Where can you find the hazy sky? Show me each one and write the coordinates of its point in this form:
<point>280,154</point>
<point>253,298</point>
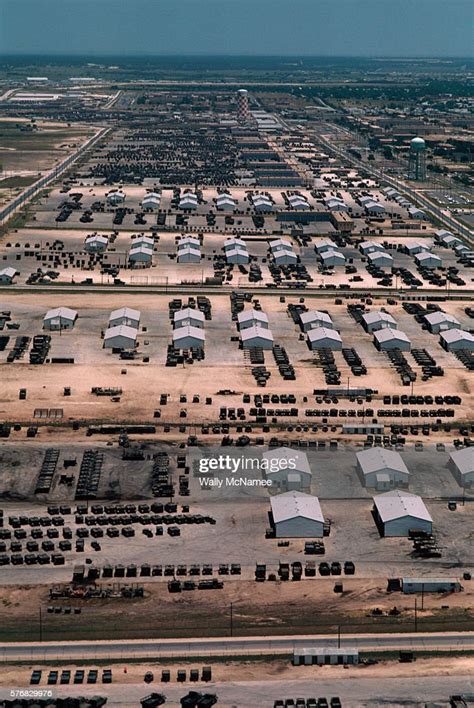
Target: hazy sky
<point>317,27</point>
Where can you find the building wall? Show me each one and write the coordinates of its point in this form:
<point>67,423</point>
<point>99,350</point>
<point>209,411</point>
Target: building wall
<point>299,528</point>
<point>370,480</point>
<point>257,342</point>
<point>119,343</point>
<point>280,479</point>
<point>400,527</point>
<point>395,344</point>
<point>466,480</point>
<point>123,321</point>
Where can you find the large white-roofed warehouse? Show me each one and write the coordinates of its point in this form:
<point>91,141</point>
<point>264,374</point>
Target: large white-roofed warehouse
<point>461,464</point>
<point>287,469</point>
<point>381,468</point>
<point>297,515</point>
<point>397,512</point>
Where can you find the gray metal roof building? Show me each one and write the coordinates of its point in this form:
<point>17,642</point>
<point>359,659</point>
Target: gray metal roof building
<point>7,275</point>
<point>315,318</point>
<point>283,462</point>
<point>388,338</point>
<point>332,258</point>
<point>461,464</point>
<point>377,319</point>
<point>324,338</point>
<point>381,468</point>
<point>256,337</point>
<point>120,337</point>
<point>426,259</point>
<point>453,339</point>
<point>188,317</point>
<point>398,511</point>
<point>125,316</point>
<point>252,318</point>
<point>188,337</point>
<point>60,318</point>
<point>380,259</point>
<point>297,515</point>
<point>440,321</point>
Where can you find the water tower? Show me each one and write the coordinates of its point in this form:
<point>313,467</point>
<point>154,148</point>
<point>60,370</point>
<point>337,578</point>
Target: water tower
<point>417,160</point>
<point>242,105</point>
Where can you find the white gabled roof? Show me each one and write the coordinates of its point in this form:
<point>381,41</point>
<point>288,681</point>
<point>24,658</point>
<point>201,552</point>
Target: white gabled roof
<point>426,256</point>
<point>225,198</point>
<point>454,335</point>
<point>332,253</point>
<point>189,251</point>
<point>8,272</point>
<point>314,335</point>
<point>315,316</point>
<point>237,253</point>
<point>121,331</point>
<point>279,244</point>
<point>371,244</point>
<point>187,241</point>
<point>397,504</point>
<point>464,459</point>
<point>294,505</point>
<point>379,255</point>
<point>297,458</point>
<point>378,316</point>
<point>255,315</point>
<point>232,243</point>
<point>387,334</point>
<point>64,312</point>
<point>188,200</point>
<point>143,241</point>
<point>254,332</point>
<point>188,313</point>
<point>126,313</point>
<point>190,331</point>
<point>325,244</point>
<point>140,249</point>
<point>259,199</point>
<point>97,238</point>
<point>117,195</point>
<point>435,318</point>
<point>378,459</point>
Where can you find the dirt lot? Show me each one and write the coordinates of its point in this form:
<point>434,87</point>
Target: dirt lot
<point>225,365</point>
<point>267,608</point>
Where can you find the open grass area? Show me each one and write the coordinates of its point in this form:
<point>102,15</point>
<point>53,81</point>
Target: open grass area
<point>15,182</point>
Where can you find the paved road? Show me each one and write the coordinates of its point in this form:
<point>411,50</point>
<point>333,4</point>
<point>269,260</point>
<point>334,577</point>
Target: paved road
<point>354,691</point>
<point>147,648</point>
<point>259,291</point>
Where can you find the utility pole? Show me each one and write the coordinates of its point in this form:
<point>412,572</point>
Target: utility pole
<point>40,625</point>
<point>231,619</point>
<point>338,636</point>
<point>416,616</point>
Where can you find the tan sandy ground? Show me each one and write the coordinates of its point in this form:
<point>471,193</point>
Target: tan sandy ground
<point>270,670</point>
